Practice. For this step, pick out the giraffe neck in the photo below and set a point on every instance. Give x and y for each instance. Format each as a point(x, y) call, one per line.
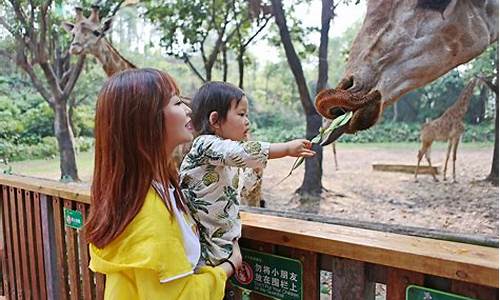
point(112, 61)
point(459, 108)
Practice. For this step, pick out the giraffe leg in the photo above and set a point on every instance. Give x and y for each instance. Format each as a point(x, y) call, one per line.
point(455, 147)
point(335, 156)
point(450, 143)
point(423, 150)
point(419, 158)
point(428, 157)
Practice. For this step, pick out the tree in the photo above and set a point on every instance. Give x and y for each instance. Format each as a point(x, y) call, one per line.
point(258, 12)
point(207, 28)
point(39, 51)
point(311, 184)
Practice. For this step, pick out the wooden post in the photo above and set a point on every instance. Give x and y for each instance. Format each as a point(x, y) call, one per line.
point(398, 280)
point(42, 271)
point(48, 250)
point(8, 255)
point(73, 261)
point(60, 244)
point(350, 280)
point(30, 222)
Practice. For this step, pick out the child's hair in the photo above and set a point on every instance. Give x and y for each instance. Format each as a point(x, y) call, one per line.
point(130, 139)
point(213, 96)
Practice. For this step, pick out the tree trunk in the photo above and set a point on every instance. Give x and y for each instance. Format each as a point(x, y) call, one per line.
point(241, 67)
point(395, 112)
point(326, 17)
point(66, 141)
point(311, 184)
point(493, 177)
point(483, 99)
point(224, 62)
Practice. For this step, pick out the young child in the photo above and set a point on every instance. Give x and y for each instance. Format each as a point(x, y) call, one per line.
point(210, 172)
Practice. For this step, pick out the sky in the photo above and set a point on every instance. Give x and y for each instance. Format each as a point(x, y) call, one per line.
point(346, 15)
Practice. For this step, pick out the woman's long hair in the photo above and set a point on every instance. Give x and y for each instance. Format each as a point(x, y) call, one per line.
point(130, 150)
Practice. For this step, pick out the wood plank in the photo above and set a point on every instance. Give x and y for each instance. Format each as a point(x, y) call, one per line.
point(15, 235)
point(61, 260)
point(73, 261)
point(473, 291)
point(25, 262)
point(310, 272)
point(405, 168)
point(398, 280)
point(41, 272)
point(440, 258)
point(30, 222)
point(87, 278)
point(350, 281)
point(475, 239)
point(73, 191)
point(8, 257)
point(49, 246)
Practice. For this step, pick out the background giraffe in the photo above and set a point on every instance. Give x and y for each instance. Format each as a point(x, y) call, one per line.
point(88, 37)
point(448, 127)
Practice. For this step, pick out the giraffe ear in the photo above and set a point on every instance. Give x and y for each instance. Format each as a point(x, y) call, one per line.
point(68, 26)
point(106, 25)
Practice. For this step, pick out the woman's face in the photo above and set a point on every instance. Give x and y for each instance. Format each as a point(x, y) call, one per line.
point(178, 123)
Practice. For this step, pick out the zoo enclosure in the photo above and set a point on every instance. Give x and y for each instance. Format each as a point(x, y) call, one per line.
point(44, 258)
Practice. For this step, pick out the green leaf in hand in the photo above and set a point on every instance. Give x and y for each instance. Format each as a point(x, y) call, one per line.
point(322, 136)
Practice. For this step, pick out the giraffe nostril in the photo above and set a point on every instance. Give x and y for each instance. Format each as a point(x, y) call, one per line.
point(336, 112)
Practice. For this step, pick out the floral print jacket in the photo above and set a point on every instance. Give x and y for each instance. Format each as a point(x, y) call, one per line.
point(210, 175)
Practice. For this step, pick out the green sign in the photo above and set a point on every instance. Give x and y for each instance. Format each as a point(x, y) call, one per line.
point(73, 218)
point(271, 275)
point(414, 292)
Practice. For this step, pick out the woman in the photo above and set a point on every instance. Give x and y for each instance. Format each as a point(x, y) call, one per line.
point(140, 232)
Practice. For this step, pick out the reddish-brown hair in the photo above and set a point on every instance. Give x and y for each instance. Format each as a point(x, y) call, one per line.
point(130, 150)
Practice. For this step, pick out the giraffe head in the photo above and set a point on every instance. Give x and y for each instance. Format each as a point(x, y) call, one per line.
point(403, 45)
point(87, 32)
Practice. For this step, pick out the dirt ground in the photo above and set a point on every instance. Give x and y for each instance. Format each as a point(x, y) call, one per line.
point(357, 192)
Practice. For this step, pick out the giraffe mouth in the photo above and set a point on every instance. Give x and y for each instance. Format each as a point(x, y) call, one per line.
point(365, 104)
point(75, 49)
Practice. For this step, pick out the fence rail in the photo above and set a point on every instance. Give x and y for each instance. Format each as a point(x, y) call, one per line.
point(45, 259)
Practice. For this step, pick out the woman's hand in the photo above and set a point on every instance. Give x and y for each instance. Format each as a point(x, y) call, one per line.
point(236, 257)
point(234, 260)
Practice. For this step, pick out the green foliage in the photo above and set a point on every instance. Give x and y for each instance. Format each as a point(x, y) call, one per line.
point(410, 132)
point(386, 132)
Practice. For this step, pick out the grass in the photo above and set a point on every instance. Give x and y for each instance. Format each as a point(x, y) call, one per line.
point(49, 168)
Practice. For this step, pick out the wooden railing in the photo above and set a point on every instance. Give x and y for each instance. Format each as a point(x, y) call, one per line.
point(44, 259)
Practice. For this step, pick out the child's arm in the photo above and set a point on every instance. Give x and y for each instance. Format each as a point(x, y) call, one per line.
point(251, 154)
point(295, 148)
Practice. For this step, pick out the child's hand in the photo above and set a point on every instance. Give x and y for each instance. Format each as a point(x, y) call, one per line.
point(300, 147)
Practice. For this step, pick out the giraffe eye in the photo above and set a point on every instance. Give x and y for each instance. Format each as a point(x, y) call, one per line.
point(97, 33)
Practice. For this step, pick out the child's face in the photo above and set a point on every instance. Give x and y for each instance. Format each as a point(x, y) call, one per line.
point(179, 127)
point(236, 126)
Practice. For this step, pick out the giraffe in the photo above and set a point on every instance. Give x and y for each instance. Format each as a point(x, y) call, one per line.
point(401, 46)
point(448, 127)
point(89, 37)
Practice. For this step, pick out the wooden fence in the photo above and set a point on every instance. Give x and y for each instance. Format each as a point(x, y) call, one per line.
point(44, 259)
